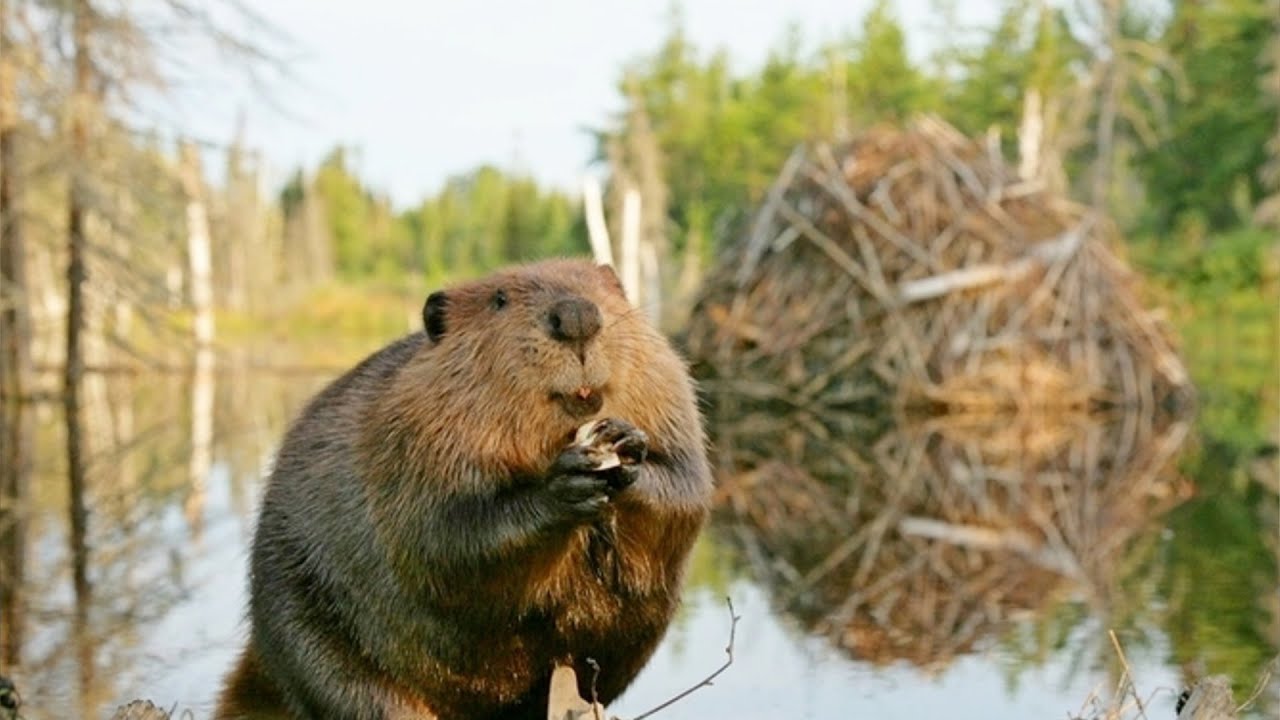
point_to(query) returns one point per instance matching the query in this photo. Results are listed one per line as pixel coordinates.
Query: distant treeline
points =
(478, 221)
(1164, 113)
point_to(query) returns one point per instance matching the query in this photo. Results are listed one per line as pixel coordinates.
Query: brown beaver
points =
(432, 542)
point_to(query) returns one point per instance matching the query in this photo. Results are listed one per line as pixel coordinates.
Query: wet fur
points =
(406, 562)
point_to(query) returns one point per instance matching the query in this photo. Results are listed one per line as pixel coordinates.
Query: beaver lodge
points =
(916, 266)
(1032, 445)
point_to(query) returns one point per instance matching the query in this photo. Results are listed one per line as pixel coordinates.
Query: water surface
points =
(880, 569)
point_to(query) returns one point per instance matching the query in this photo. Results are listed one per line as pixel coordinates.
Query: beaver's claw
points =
(612, 442)
(609, 449)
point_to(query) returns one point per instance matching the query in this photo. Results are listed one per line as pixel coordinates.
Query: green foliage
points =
(724, 136)
(347, 211)
(486, 219)
(1029, 47)
(1209, 163)
(338, 317)
(1220, 567)
(883, 83)
(1225, 290)
(477, 222)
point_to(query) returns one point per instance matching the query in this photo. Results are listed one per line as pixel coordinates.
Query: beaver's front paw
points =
(612, 442)
(614, 447)
(579, 497)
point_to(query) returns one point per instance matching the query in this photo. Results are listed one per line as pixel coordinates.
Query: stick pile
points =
(914, 267)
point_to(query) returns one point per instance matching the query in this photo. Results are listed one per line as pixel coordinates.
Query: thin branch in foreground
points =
(709, 680)
(595, 694)
(1115, 642)
(1263, 680)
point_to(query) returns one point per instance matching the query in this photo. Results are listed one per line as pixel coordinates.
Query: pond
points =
(880, 568)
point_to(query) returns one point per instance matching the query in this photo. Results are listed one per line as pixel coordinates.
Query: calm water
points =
(881, 570)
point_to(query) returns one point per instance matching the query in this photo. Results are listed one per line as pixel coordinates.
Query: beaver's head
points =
(550, 339)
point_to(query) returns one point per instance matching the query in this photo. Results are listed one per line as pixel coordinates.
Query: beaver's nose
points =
(574, 320)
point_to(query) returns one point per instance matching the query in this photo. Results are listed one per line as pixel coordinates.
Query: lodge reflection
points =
(919, 541)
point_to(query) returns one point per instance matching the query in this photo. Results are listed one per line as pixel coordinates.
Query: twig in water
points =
(1115, 642)
(1263, 680)
(708, 681)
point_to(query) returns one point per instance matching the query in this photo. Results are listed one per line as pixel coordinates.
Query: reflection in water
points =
(148, 449)
(994, 555)
(202, 391)
(16, 440)
(940, 533)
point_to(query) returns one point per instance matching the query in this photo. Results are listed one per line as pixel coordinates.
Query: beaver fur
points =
(431, 543)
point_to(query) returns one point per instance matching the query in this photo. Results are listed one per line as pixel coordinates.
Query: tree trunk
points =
(839, 94)
(630, 263)
(597, 228)
(77, 210)
(1030, 136)
(198, 246)
(15, 364)
(15, 307)
(316, 238)
(1104, 160)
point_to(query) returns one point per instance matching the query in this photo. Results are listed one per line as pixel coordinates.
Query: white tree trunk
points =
(597, 229)
(198, 247)
(1031, 136)
(630, 269)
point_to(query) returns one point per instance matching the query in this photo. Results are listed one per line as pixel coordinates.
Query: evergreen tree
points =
(1207, 170)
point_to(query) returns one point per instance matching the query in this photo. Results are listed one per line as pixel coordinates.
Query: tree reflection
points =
(16, 440)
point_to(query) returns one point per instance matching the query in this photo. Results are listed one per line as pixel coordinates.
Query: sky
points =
(430, 89)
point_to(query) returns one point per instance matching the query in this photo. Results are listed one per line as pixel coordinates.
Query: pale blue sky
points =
(429, 89)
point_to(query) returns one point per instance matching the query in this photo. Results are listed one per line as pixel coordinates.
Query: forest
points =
(1162, 113)
(129, 248)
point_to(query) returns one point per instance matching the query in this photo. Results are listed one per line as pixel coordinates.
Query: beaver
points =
(435, 537)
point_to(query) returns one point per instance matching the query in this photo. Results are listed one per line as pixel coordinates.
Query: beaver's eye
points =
(499, 300)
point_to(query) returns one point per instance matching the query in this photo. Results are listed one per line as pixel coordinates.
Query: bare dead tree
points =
(15, 322)
(1122, 91)
(1110, 75)
(15, 358)
(15, 368)
(638, 200)
(77, 211)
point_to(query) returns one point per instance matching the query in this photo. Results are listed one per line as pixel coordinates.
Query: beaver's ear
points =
(610, 278)
(433, 314)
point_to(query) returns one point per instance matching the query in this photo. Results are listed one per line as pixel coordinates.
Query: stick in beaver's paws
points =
(609, 449)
